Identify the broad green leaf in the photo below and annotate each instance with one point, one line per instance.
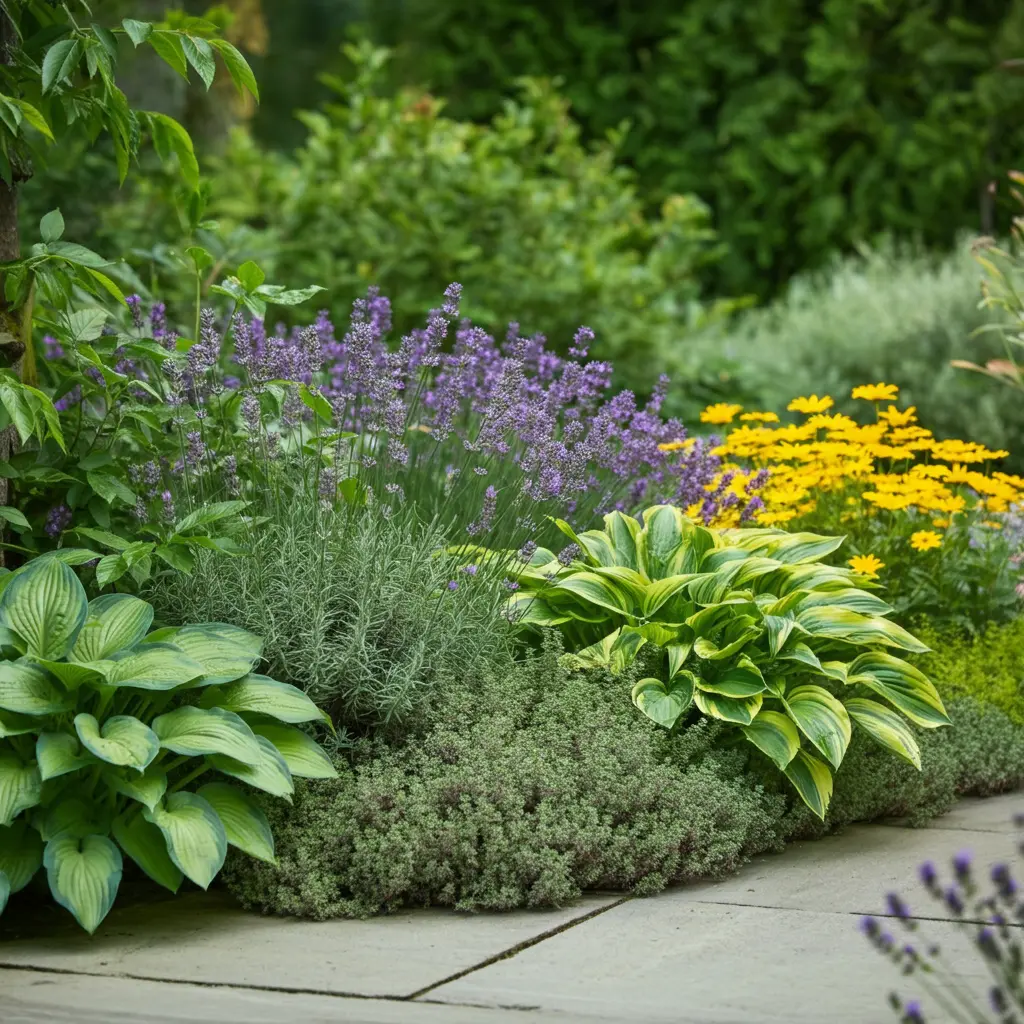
(121, 740)
(812, 780)
(710, 651)
(45, 605)
(222, 660)
(114, 623)
(148, 789)
(264, 696)
(841, 624)
(278, 295)
(16, 725)
(778, 629)
(615, 652)
(206, 515)
(75, 817)
(802, 654)
(145, 844)
(658, 593)
(677, 655)
(663, 702)
(741, 710)
(589, 588)
(629, 580)
(802, 548)
(51, 227)
(153, 666)
(5, 890)
(199, 732)
(622, 531)
(659, 541)
(73, 675)
(316, 402)
(34, 118)
(60, 61)
(904, 686)
(245, 825)
(196, 840)
(304, 756)
(884, 726)
(84, 876)
(59, 753)
(27, 689)
(666, 634)
(110, 569)
(598, 548)
(526, 609)
(271, 774)
(170, 137)
(743, 679)
(822, 719)
(169, 49)
(14, 517)
(138, 31)
(775, 735)
(21, 854)
(856, 600)
(199, 54)
(238, 68)
(110, 488)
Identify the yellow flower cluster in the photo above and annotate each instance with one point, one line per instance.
(891, 464)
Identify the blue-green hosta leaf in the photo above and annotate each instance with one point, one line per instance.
(115, 622)
(222, 659)
(239, 638)
(885, 727)
(145, 844)
(622, 531)
(84, 876)
(196, 840)
(156, 666)
(245, 825)
(775, 735)
(45, 604)
(856, 600)
(27, 689)
(21, 854)
(121, 740)
(73, 816)
(20, 786)
(202, 731)
(822, 719)
(663, 702)
(262, 695)
(305, 757)
(272, 774)
(741, 710)
(841, 624)
(588, 588)
(17, 725)
(527, 609)
(812, 780)
(59, 753)
(73, 675)
(148, 789)
(902, 685)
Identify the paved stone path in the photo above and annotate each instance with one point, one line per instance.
(775, 944)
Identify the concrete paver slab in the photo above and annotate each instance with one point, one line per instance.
(668, 959)
(34, 997)
(993, 814)
(207, 938)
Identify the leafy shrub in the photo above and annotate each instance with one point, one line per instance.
(354, 609)
(806, 128)
(91, 707)
(734, 623)
(887, 314)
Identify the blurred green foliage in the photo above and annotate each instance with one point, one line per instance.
(805, 127)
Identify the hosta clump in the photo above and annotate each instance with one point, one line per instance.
(106, 729)
(750, 628)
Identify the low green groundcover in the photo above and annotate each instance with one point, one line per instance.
(530, 785)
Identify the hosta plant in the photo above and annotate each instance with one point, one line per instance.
(748, 627)
(115, 740)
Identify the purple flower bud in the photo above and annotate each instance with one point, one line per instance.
(57, 520)
(962, 864)
(928, 874)
(134, 304)
(453, 585)
(470, 570)
(568, 554)
(509, 584)
(897, 907)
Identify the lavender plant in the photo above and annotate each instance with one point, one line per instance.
(991, 917)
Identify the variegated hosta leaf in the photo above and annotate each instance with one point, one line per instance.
(122, 740)
(271, 773)
(904, 686)
(223, 659)
(195, 837)
(73, 675)
(598, 548)
(588, 588)
(305, 757)
(153, 666)
(740, 710)
(775, 735)
(569, 532)
(27, 689)
(841, 624)
(245, 825)
(659, 593)
(628, 580)
(778, 629)
(262, 695)
(115, 622)
(73, 816)
(614, 652)
(21, 854)
(663, 702)
(803, 548)
(856, 600)
(743, 679)
(668, 544)
(812, 780)
(707, 649)
(822, 719)
(59, 753)
(20, 786)
(525, 608)
(885, 727)
(202, 731)
(84, 876)
(666, 634)
(45, 604)
(801, 654)
(146, 845)
(791, 578)
(622, 531)
(677, 655)
(148, 789)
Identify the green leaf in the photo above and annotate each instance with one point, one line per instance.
(803, 548)
(45, 604)
(106, 284)
(14, 517)
(20, 786)
(271, 774)
(885, 727)
(856, 600)
(16, 725)
(238, 68)
(316, 402)
(677, 655)
(34, 118)
(245, 825)
(84, 876)
(527, 609)
(591, 589)
(168, 137)
(122, 740)
(822, 719)
(250, 276)
(73, 817)
(774, 735)
(199, 54)
(51, 227)
(74, 675)
(663, 702)
(614, 652)
(58, 753)
(148, 789)
(110, 569)
(138, 31)
(22, 414)
(153, 667)
(196, 840)
(623, 531)
(60, 61)
(262, 695)
(207, 514)
(50, 416)
(778, 628)
(114, 622)
(145, 844)
(198, 731)
(168, 46)
(741, 710)
(21, 854)
(904, 686)
(5, 890)
(658, 543)
(27, 689)
(743, 679)
(304, 756)
(658, 593)
(222, 660)
(812, 780)
(710, 651)
(109, 488)
(843, 624)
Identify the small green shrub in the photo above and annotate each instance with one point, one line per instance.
(92, 705)
(744, 626)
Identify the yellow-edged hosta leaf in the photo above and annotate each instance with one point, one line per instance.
(856, 600)
(741, 710)
(905, 687)
(84, 876)
(837, 623)
(622, 531)
(822, 719)
(121, 740)
(663, 702)
(659, 542)
(803, 548)
(591, 589)
(528, 609)
(812, 780)
(885, 727)
(774, 735)
(677, 655)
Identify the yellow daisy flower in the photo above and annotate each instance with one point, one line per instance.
(868, 565)
(876, 392)
(810, 405)
(898, 417)
(760, 417)
(924, 540)
(720, 412)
